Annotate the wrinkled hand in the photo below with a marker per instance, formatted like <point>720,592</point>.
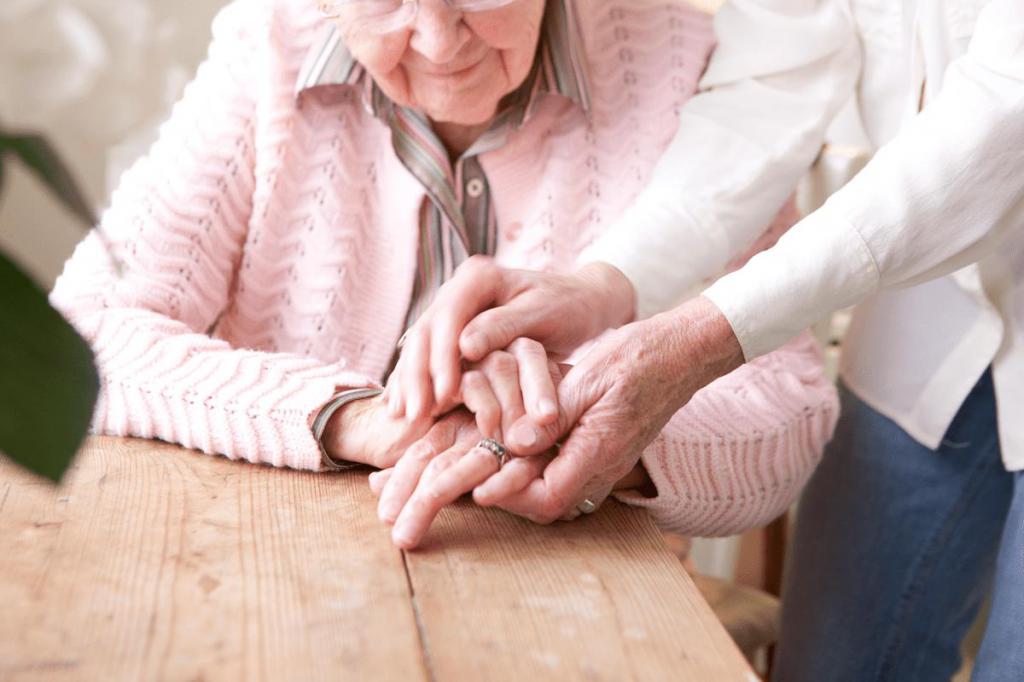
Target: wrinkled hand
<point>484,308</point>
<point>615,402</point>
<point>438,469</point>
<point>508,385</point>
<point>364,432</point>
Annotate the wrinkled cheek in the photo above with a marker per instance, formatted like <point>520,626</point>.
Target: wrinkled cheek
<point>380,55</point>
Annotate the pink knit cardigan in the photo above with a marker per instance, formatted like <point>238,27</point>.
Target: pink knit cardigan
<point>268,246</point>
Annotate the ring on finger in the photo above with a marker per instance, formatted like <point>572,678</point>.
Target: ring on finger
<point>497,449</point>
<point>587,506</point>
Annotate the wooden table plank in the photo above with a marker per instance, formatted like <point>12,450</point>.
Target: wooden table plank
<point>600,598</point>
<point>152,562</point>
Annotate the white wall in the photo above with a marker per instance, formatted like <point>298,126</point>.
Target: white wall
<point>91,74</point>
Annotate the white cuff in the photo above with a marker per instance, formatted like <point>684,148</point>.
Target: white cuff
<point>821,265</point>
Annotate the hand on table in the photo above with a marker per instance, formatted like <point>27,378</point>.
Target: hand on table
<point>438,469</point>
<point>448,463</point>
<point>495,393</point>
<point>484,308</point>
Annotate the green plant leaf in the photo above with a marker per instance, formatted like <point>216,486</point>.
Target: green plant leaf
<point>42,159</point>
<point>48,378</point>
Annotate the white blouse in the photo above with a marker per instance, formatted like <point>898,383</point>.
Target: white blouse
<point>942,198</point>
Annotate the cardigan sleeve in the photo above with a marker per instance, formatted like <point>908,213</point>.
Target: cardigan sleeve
<point>177,224</point>
<point>738,454</point>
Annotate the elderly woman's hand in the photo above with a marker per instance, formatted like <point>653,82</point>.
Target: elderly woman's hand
<point>438,469</point>
<point>509,385</point>
<point>364,432</point>
<point>447,464</point>
<point>484,308</point>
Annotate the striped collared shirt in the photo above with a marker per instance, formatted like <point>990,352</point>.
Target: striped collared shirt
<point>457,219</point>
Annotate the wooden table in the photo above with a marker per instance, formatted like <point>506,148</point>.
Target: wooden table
<point>152,562</point>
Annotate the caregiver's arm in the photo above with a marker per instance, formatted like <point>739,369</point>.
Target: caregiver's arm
<point>941,195</point>
<point>781,71</point>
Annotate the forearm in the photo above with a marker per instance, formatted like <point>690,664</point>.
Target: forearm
<point>160,379</point>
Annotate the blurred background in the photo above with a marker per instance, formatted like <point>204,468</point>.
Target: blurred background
<point>97,77</point>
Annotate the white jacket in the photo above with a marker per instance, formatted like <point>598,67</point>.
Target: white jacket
<point>942,198</point>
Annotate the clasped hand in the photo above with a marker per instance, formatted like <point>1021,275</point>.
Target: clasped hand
<point>608,408</point>
<point>480,360</point>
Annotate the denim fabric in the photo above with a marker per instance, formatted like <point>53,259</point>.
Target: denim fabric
<point>896,547</point>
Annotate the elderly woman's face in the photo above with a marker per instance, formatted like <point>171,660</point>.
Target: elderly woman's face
<point>453,66</point>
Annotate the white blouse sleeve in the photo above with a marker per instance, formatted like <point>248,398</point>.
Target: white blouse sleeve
<point>942,194</point>
<point>781,71</point>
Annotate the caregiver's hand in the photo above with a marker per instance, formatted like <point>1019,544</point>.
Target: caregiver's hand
<point>364,432</point>
<point>484,308</point>
<point>616,401</point>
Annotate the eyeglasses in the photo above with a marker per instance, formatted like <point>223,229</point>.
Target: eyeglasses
<point>385,16</point>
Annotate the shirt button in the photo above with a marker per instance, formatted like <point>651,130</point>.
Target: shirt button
<point>475,188</point>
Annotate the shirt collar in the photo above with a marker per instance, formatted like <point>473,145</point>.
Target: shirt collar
<point>562,65</point>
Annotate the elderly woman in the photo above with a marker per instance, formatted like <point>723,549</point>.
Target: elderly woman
<point>323,176</point>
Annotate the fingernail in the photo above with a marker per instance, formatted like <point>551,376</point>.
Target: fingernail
<point>547,407</point>
<point>524,435</point>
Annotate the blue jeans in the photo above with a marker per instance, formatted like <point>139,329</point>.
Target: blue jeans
<point>896,547</point>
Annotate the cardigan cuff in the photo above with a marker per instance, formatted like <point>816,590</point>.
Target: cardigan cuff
<point>340,400</point>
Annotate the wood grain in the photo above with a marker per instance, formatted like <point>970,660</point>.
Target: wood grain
<point>601,598</point>
<point>153,562</point>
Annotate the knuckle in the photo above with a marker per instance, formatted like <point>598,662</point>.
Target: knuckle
<point>423,503</point>
<point>502,363</point>
<point>481,456</point>
<point>556,505</point>
<point>432,495</point>
<point>421,451</point>
<point>437,466</point>
<point>527,346</point>
<point>473,380</point>
<point>503,326</point>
